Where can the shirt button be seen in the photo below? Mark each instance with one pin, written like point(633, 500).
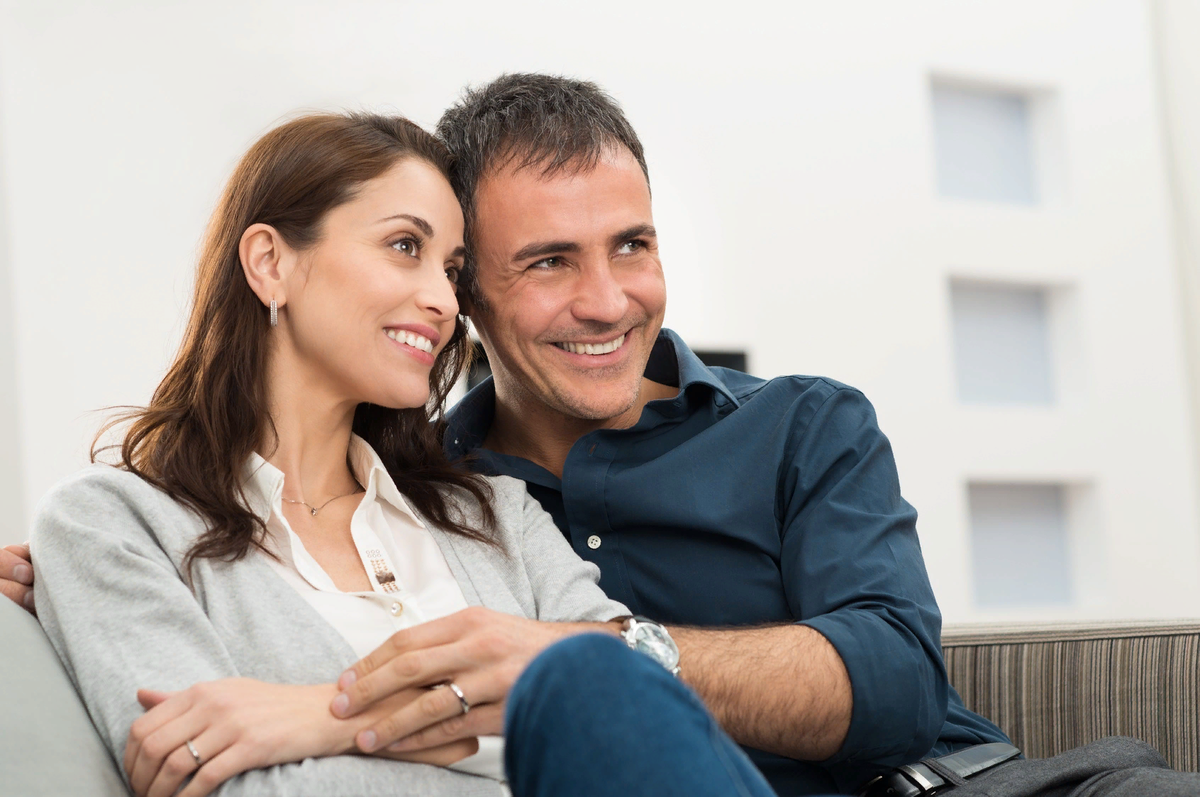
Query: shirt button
point(396, 608)
point(593, 542)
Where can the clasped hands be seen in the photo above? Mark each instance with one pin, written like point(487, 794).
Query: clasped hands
point(382, 706)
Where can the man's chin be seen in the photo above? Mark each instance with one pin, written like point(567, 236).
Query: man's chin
point(588, 406)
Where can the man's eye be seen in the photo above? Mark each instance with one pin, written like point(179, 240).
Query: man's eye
point(408, 246)
point(549, 262)
point(629, 247)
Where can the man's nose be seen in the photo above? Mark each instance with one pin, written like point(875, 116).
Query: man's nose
point(599, 295)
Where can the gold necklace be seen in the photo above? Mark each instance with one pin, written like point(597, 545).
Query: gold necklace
point(315, 509)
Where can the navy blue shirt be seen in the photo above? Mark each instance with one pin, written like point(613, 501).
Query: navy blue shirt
point(745, 501)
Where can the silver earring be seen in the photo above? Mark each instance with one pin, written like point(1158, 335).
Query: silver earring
point(274, 314)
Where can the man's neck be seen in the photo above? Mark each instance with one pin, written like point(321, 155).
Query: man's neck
point(544, 436)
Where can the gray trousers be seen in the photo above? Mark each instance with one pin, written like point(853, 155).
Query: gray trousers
point(1114, 767)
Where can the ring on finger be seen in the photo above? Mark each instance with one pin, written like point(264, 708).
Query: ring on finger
point(453, 687)
point(191, 748)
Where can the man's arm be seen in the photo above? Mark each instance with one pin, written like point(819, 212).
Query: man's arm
point(782, 689)
point(859, 676)
point(16, 575)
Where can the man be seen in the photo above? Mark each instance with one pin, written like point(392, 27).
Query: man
point(760, 520)
point(709, 499)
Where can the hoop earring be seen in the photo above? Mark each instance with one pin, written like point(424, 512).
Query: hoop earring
point(274, 314)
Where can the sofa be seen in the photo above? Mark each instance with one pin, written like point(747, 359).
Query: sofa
point(1051, 687)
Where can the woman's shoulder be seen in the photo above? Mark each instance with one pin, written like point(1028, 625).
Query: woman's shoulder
point(107, 499)
point(100, 484)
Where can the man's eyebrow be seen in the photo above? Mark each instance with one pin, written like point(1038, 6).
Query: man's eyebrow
point(636, 231)
point(419, 222)
point(543, 248)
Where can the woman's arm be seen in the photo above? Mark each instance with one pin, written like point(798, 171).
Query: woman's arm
point(481, 650)
point(121, 619)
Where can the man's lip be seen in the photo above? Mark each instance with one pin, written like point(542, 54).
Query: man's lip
point(596, 359)
point(593, 341)
point(419, 329)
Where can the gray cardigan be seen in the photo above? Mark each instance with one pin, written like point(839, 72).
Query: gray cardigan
point(108, 551)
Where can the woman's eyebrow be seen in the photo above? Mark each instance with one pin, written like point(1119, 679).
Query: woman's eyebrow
point(420, 223)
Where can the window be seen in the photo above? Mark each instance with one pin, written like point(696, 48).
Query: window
point(1019, 545)
point(984, 144)
point(1001, 343)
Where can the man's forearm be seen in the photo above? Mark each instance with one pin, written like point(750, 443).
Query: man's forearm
point(782, 689)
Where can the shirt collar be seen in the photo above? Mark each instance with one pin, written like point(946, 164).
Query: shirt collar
point(671, 363)
point(262, 482)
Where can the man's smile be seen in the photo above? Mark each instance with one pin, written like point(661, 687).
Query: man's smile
point(593, 349)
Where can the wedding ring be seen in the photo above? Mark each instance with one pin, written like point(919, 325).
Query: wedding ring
point(192, 749)
point(453, 687)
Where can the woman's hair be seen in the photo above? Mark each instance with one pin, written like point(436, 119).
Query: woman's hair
point(210, 412)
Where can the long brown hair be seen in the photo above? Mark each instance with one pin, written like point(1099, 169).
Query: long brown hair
point(210, 412)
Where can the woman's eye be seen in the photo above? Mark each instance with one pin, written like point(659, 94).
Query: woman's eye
point(408, 246)
point(452, 274)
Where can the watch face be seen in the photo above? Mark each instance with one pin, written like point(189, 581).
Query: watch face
point(652, 640)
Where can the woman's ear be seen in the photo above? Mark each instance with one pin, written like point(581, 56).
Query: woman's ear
point(267, 262)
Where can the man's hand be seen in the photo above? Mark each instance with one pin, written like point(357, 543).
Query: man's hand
point(238, 724)
point(482, 651)
point(16, 575)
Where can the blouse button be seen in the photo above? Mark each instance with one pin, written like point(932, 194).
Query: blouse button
point(397, 608)
point(593, 542)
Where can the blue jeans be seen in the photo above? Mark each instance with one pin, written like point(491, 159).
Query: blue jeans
point(592, 718)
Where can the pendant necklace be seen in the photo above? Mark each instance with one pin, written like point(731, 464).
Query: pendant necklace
point(315, 509)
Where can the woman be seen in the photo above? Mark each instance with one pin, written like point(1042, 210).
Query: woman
point(283, 506)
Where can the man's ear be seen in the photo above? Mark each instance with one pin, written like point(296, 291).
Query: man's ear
point(266, 261)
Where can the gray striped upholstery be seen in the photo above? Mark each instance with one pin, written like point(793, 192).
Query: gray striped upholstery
point(1054, 687)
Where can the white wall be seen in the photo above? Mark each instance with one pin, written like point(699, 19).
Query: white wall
point(791, 156)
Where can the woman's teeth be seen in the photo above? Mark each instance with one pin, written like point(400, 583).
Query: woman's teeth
point(592, 348)
point(411, 338)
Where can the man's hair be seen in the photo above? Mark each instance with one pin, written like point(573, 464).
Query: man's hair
point(529, 121)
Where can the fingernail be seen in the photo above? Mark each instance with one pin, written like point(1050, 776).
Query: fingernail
point(366, 741)
point(347, 680)
point(23, 574)
point(341, 704)
point(29, 600)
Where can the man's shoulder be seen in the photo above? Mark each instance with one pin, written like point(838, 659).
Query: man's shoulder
point(789, 387)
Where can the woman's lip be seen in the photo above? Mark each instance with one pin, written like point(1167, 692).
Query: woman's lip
point(420, 329)
point(423, 357)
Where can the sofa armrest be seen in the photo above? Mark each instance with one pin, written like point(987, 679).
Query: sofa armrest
point(1055, 687)
point(48, 745)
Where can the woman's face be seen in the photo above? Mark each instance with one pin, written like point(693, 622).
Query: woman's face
point(372, 304)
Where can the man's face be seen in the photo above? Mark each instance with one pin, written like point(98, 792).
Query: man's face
point(572, 286)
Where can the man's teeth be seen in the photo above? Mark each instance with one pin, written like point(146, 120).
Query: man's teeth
point(411, 338)
point(592, 348)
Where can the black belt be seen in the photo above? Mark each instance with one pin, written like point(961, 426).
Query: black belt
point(934, 774)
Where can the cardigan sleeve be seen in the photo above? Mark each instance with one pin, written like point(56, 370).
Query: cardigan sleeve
point(565, 587)
point(121, 617)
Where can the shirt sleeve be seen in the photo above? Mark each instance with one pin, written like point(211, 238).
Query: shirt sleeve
point(121, 618)
point(853, 571)
point(565, 587)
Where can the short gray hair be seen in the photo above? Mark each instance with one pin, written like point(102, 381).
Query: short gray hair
point(533, 121)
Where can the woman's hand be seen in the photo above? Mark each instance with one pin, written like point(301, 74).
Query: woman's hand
point(239, 724)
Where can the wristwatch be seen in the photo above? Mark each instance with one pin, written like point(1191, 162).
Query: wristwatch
point(646, 636)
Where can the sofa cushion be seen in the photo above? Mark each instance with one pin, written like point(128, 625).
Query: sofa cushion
point(1056, 687)
point(47, 743)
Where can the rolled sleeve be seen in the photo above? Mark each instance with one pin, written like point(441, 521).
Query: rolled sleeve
point(853, 571)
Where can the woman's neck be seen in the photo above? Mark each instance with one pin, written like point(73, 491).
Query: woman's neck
point(312, 432)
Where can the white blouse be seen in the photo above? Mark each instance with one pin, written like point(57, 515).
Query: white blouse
point(410, 580)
